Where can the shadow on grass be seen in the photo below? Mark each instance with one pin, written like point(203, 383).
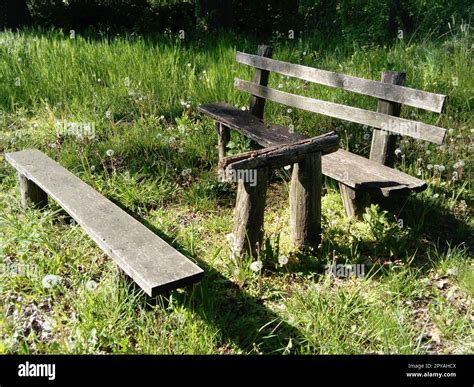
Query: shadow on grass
point(240, 318)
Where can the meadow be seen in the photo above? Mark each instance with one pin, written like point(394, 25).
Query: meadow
point(120, 112)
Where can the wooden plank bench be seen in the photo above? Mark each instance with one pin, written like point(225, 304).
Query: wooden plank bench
point(360, 180)
point(151, 262)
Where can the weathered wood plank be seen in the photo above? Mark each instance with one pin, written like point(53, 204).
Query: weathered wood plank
point(257, 104)
point(305, 202)
point(281, 155)
point(404, 95)
point(397, 125)
point(358, 172)
point(151, 262)
point(383, 143)
point(249, 125)
point(223, 138)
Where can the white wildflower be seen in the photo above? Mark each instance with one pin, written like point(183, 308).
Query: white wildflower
point(110, 152)
point(50, 280)
point(282, 260)
point(256, 266)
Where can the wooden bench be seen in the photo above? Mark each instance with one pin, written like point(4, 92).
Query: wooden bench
point(361, 180)
point(151, 262)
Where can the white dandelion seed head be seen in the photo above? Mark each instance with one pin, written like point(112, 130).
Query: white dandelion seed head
point(110, 152)
point(186, 172)
point(289, 111)
point(366, 136)
point(256, 266)
point(50, 280)
point(230, 237)
point(398, 152)
point(282, 260)
point(91, 285)
point(287, 167)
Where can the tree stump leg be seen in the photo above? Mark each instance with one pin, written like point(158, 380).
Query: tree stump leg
point(305, 202)
point(355, 201)
point(31, 194)
point(223, 138)
point(249, 213)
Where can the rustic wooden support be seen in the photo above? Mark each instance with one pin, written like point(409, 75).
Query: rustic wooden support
point(257, 104)
point(354, 200)
point(223, 138)
point(305, 202)
point(31, 194)
point(384, 142)
point(280, 155)
point(249, 214)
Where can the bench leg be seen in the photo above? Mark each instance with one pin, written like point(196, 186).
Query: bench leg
point(31, 194)
point(249, 214)
point(355, 201)
point(223, 137)
point(305, 202)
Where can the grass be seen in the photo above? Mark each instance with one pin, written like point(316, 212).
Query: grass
point(155, 156)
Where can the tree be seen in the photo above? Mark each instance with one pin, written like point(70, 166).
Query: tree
point(14, 13)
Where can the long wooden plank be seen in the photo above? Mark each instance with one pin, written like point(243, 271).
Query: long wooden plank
point(151, 262)
point(418, 130)
point(404, 95)
point(281, 155)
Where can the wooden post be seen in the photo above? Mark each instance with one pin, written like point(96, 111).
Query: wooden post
point(31, 194)
point(257, 104)
point(223, 137)
point(383, 142)
point(249, 214)
point(354, 201)
point(305, 202)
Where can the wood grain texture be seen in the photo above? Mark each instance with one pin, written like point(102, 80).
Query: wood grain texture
point(404, 95)
point(418, 130)
point(383, 145)
point(249, 125)
point(281, 155)
point(249, 215)
point(358, 172)
point(305, 202)
point(151, 262)
point(223, 138)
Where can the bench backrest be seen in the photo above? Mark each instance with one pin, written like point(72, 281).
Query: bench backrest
point(386, 120)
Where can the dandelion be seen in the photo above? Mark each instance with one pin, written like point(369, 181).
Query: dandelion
point(280, 86)
point(366, 136)
point(92, 168)
point(282, 260)
point(459, 164)
point(189, 64)
point(50, 280)
point(110, 152)
point(52, 145)
point(99, 80)
point(398, 152)
point(429, 167)
point(159, 136)
point(188, 106)
point(428, 152)
point(243, 108)
point(108, 114)
point(289, 111)
point(304, 53)
point(186, 172)
point(256, 266)
point(171, 140)
point(91, 285)
point(287, 167)
point(230, 237)
point(35, 125)
point(162, 118)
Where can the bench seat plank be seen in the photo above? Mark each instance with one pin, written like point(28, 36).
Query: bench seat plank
point(151, 262)
point(348, 168)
